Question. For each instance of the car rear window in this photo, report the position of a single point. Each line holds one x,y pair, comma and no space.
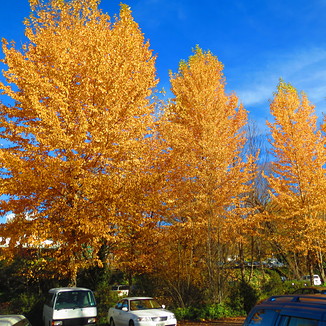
264,317
297,321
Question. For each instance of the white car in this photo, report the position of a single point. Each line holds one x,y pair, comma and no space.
140,311
14,320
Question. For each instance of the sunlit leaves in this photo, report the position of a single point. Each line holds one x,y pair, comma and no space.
208,177
78,128
297,181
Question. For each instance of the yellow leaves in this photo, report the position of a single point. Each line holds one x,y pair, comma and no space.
79,124
203,129
34,3
298,179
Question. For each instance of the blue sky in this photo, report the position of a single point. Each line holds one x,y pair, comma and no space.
258,41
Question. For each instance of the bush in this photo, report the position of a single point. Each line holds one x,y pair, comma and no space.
187,313
216,311
273,286
242,298
104,299
25,302
208,312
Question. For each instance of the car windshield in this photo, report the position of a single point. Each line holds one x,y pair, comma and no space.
74,299
141,304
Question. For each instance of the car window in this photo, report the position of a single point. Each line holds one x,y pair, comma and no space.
122,304
264,317
23,322
141,304
297,321
74,299
118,305
125,304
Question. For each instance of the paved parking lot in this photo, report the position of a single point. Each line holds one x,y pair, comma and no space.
238,321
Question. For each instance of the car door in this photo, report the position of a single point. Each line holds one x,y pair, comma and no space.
121,313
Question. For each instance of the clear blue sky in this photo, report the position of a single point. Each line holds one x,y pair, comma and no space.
258,41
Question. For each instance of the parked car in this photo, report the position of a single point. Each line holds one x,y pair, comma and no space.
69,306
289,310
121,290
315,281
140,311
14,320
273,263
311,290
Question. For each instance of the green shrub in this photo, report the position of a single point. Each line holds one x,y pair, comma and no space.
104,299
186,313
216,311
242,297
24,303
273,286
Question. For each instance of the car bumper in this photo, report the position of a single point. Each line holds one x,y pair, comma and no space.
170,322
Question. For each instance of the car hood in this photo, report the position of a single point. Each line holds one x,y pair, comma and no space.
152,312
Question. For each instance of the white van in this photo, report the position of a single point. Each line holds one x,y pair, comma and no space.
120,290
69,306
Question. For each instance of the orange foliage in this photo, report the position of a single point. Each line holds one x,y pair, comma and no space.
203,127
208,177
297,181
77,130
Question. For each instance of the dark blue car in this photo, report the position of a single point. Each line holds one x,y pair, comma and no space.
289,310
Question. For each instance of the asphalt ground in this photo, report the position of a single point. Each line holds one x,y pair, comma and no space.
236,321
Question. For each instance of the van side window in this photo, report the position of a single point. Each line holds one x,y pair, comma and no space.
49,300
297,321
264,317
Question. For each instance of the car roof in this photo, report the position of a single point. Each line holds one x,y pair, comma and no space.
320,288
296,300
310,306
138,298
65,289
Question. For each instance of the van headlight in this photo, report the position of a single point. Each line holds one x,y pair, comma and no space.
56,322
91,320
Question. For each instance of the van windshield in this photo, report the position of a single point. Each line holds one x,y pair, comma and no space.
74,299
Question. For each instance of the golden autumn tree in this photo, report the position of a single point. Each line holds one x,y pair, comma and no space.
78,131
297,180
208,179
